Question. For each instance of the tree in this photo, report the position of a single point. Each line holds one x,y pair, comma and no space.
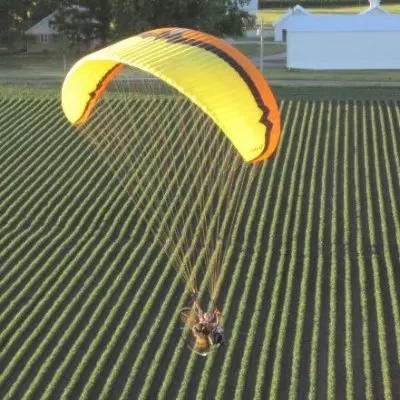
12,15
18,15
213,16
101,11
79,20
39,9
75,24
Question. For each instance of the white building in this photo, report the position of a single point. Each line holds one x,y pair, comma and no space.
374,10
280,26
43,35
344,42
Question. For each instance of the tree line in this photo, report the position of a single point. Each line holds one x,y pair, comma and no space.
108,19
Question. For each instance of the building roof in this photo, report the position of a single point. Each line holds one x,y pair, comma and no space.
345,23
374,10
44,26
296,10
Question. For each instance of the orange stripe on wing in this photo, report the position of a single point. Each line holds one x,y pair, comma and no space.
272,144
273,136
97,92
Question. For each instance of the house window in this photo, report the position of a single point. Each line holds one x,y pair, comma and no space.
44,38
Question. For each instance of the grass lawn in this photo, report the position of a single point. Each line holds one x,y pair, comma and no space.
253,49
46,76
33,67
271,15
48,69
344,77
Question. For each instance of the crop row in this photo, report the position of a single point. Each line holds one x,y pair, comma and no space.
97,222
65,271
99,199
115,338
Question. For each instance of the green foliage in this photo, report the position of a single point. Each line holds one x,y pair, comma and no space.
75,24
39,9
106,19
212,16
18,15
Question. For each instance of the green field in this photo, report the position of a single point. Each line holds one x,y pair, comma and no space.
89,303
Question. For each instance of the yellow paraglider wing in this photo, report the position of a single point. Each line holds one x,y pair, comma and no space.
213,74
